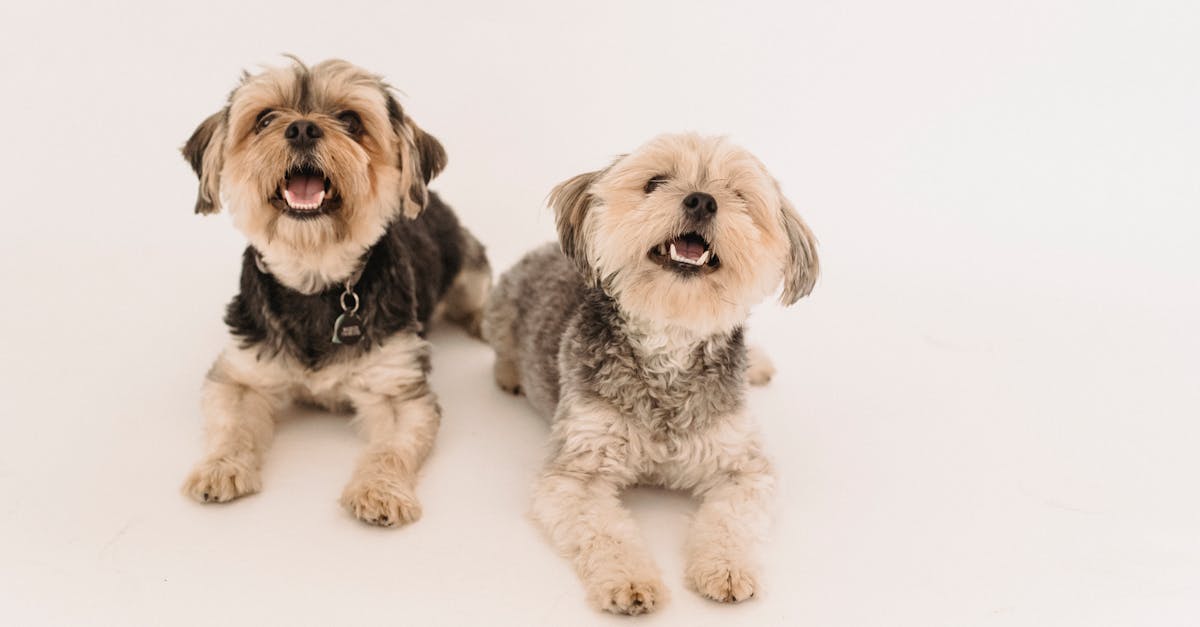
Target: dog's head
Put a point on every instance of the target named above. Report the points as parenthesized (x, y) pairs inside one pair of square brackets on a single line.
[(312, 157), (688, 231)]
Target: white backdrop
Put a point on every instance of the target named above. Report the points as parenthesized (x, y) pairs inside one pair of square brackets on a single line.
[(986, 414)]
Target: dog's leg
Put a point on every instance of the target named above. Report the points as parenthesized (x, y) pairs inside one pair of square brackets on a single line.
[(508, 378), (584, 518), (759, 369), (239, 421), (732, 518), (400, 432), (499, 324), (577, 503), (464, 301)]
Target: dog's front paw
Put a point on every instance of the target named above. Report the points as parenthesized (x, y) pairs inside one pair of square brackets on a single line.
[(507, 376), (630, 596), (222, 479), (381, 501), (723, 582), (759, 376), (759, 369)]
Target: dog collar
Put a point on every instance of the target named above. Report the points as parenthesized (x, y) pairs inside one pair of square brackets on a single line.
[(348, 327)]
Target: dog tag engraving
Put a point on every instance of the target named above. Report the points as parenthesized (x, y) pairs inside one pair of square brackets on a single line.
[(347, 329)]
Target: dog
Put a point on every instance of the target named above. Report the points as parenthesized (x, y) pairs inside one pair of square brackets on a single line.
[(350, 256), (627, 334)]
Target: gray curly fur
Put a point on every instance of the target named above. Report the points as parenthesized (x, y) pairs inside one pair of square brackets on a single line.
[(553, 334)]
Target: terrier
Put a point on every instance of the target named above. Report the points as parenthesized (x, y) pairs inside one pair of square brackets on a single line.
[(627, 335), (349, 257)]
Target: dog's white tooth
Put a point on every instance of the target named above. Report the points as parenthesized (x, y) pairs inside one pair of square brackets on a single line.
[(703, 258), (675, 256)]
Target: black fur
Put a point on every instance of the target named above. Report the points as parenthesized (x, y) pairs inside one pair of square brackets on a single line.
[(408, 271)]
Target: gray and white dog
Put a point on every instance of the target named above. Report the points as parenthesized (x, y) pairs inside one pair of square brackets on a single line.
[(630, 340)]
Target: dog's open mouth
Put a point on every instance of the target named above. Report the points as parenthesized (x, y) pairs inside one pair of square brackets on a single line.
[(689, 253), (305, 193)]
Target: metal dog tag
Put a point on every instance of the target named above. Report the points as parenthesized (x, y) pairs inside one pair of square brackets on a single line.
[(347, 329)]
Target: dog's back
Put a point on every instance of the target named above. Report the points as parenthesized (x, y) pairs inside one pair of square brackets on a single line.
[(524, 322)]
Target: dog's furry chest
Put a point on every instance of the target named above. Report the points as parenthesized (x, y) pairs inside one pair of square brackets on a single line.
[(282, 322), (665, 389), (396, 367), (405, 274), (640, 453)]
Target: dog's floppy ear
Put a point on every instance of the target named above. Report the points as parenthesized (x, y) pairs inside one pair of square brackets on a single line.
[(427, 158), (571, 201), (205, 151), (419, 151), (431, 156), (802, 266)]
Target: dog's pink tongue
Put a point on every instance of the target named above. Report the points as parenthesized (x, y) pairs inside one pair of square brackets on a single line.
[(305, 190), (688, 249)]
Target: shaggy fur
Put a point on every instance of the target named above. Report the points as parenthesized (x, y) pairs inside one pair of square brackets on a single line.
[(640, 363), (377, 221)]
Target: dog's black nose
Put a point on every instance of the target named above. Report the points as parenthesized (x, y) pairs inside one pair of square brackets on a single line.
[(699, 206), (302, 133)]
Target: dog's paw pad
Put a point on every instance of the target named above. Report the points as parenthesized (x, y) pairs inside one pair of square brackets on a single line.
[(381, 503), (727, 585), (630, 597), (222, 479)]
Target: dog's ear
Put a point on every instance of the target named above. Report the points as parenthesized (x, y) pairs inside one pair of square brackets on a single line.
[(205, 151), (571, 201), (420, 151), (431, 156), (427, 159), (802, 266)]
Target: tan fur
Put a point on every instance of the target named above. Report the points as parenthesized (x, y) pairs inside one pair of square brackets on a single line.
[(615, 427), (463, 303), (395, 410), (599, 453), (760, 369), (378, 177), (607, 223)]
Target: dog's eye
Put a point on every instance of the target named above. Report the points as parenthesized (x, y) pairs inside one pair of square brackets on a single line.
[(653, 183), (263, 120), (352, 121)]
